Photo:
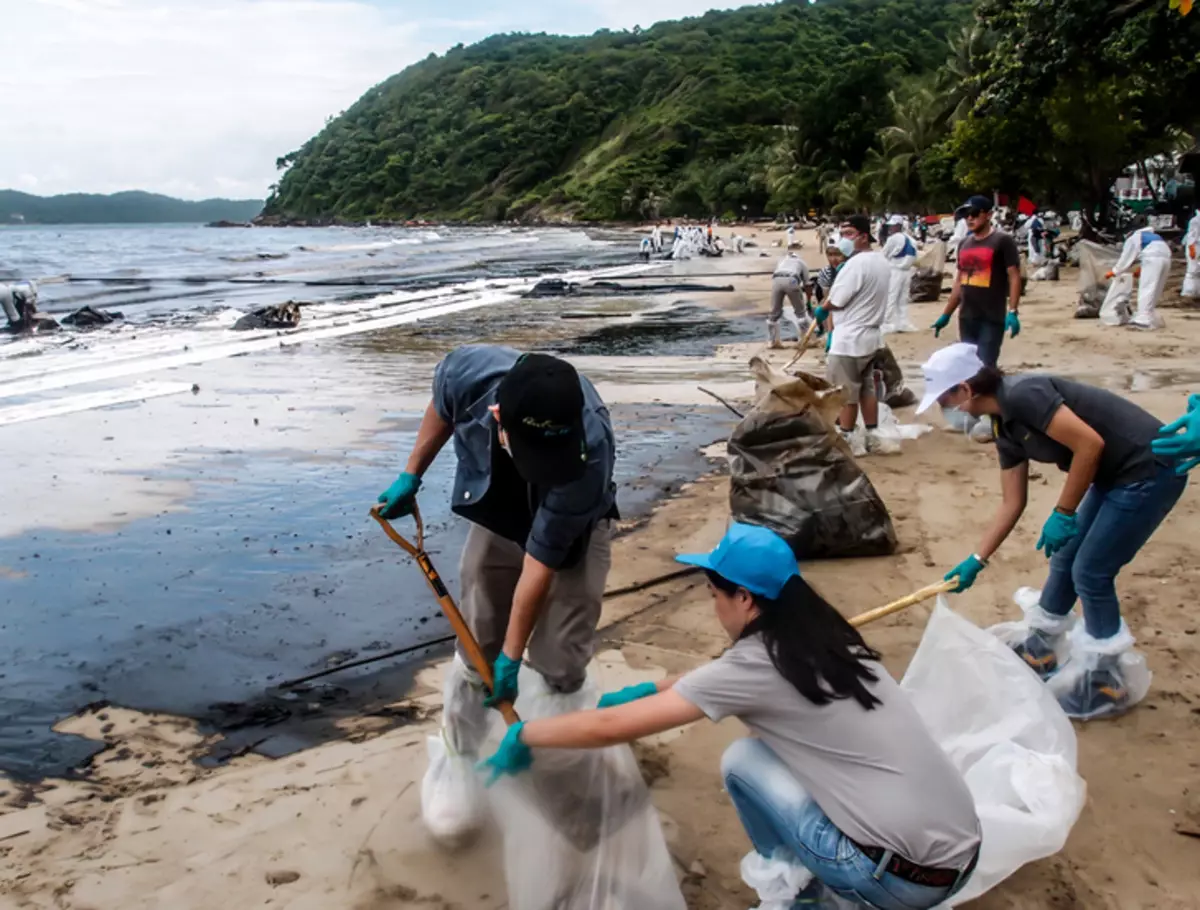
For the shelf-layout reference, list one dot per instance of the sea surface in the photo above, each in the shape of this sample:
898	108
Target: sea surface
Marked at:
184	520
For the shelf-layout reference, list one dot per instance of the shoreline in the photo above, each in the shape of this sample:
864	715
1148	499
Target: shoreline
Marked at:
344	817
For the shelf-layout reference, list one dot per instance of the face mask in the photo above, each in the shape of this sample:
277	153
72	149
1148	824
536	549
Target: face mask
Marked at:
846	247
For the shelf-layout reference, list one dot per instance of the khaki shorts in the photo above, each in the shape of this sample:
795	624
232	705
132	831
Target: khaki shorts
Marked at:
853	374
564	639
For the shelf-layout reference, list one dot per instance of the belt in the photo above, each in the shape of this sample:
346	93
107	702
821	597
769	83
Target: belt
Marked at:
919	875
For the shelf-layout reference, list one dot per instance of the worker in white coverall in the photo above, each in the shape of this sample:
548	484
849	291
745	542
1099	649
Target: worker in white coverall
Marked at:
1155	256
1191	249
1036	241
960	230
900	253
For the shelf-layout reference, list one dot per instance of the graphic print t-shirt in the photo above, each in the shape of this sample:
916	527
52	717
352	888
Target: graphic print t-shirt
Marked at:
984	266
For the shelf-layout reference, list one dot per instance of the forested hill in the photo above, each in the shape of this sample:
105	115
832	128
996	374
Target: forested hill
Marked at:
132	207
702	116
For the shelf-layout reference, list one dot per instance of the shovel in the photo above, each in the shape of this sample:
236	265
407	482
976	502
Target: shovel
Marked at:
803	344
566	789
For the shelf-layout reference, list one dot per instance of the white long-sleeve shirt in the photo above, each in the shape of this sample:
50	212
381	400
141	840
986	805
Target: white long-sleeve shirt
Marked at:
1140	246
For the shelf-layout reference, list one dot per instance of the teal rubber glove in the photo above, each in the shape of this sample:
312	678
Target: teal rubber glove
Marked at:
401	497
940	323
828	340
511	757
1181	439
626	695
1057	532
504	677
821	314
1012	322
965	573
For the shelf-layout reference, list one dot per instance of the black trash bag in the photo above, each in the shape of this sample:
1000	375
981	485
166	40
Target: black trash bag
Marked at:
926	286
793	473
895	393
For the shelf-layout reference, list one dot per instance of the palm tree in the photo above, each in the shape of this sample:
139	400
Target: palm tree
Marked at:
959	78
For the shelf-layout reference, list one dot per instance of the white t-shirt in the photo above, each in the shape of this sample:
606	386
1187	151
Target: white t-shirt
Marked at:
859	299
879	775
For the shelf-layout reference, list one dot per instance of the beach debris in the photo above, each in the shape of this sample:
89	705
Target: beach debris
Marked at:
88	318
280	316
277	877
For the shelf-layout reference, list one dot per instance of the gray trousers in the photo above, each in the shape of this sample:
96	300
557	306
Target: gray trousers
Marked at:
564	638
781	287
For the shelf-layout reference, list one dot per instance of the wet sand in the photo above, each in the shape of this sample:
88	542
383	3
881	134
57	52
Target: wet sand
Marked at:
339	825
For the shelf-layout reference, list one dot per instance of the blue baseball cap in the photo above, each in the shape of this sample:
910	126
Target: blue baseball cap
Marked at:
753	557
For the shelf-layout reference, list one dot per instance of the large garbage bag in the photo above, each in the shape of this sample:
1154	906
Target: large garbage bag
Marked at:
895	394
580	831
1095	261
792	472
1004	730
927	277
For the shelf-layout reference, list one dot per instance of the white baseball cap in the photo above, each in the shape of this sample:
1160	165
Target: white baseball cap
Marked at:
947	368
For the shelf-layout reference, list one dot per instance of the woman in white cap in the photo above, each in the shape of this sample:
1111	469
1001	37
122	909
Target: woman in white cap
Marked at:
1117	493
840	776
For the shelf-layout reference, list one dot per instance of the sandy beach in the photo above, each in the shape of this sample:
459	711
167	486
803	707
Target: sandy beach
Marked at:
143	825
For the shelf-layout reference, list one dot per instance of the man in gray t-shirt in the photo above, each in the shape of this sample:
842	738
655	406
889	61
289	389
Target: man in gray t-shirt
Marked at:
910	799
789	281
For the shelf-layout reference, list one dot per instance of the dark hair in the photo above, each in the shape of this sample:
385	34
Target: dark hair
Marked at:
811	644
986	381
860	223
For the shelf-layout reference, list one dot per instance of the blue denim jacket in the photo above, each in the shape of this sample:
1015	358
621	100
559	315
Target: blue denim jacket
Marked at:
465	385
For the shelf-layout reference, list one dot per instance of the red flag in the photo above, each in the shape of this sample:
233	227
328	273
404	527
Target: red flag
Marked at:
1025	206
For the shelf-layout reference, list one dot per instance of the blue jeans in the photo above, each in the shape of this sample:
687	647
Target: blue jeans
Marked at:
779	816
1114	524
986	336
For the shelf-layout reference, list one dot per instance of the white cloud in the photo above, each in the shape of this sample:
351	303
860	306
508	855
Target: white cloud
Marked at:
199	97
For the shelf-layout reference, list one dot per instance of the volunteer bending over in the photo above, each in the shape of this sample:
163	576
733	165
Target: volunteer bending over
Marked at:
840	775
535	479
1116	494
1152	252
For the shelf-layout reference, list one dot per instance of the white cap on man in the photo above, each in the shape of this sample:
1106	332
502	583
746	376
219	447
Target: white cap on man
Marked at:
951	366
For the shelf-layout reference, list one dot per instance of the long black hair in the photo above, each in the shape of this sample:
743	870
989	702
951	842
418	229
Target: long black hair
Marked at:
811	644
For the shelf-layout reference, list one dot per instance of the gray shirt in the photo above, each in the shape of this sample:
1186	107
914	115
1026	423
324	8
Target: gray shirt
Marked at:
557	520
1028	403
792	267
878	774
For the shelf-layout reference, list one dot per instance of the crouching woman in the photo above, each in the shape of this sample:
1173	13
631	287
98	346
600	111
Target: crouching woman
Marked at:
840	775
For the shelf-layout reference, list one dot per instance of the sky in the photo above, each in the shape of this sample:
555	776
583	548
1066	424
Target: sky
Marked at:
197	98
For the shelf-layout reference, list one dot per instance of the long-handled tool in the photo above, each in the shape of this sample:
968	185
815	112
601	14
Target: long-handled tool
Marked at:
942	587
803	345
581	796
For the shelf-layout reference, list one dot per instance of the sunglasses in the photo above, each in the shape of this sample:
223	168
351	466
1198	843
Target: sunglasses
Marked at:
974	213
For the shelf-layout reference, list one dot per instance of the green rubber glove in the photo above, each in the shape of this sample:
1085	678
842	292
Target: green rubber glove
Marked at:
965	573
1181	439
1057	532
504	675
940	323
626	695
401	497
511	757
1012	322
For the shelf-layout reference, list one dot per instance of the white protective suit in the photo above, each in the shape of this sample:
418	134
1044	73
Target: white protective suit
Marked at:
656	239
959	235
1036	241
1155	256
900	253
1191	249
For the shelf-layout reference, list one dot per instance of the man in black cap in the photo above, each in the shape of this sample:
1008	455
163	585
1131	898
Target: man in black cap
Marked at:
987	284
535	479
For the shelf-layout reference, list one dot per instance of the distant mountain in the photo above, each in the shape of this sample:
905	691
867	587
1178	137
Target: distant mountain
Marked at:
134	207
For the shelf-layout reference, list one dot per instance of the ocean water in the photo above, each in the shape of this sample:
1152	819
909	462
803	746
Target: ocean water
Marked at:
184	519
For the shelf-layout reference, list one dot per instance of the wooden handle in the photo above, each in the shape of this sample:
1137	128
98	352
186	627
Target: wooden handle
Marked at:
803	345
446	602
942	587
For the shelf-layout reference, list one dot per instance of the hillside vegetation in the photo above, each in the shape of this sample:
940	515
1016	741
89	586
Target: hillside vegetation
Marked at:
133	207
842	103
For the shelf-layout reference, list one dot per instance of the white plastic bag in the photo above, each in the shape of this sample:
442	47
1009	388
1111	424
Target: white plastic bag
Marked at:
579	829
890	427
1005	732
776	881
1118	301
450	801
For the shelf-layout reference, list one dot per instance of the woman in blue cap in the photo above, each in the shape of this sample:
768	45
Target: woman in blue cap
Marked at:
840	775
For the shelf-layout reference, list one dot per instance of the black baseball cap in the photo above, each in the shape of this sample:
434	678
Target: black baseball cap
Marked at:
860	223
541	411
980	202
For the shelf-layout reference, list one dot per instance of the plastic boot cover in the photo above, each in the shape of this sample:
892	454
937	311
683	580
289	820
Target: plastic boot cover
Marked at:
1104	677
